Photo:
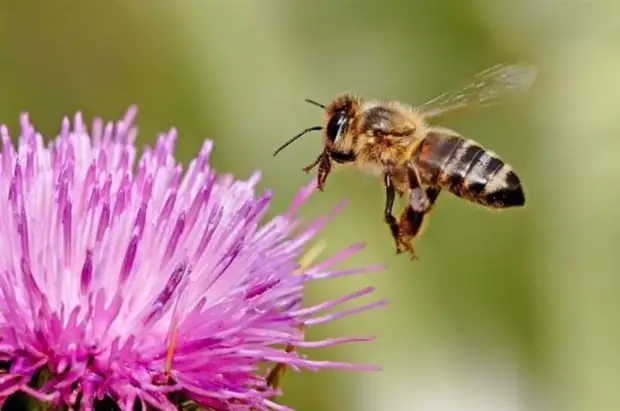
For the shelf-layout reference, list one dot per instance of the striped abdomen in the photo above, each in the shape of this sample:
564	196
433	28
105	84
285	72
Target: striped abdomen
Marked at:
467	170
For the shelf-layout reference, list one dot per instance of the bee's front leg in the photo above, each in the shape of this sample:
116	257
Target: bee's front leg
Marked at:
309	167
325	167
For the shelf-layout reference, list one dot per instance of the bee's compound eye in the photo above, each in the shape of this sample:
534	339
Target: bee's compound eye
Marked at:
337	125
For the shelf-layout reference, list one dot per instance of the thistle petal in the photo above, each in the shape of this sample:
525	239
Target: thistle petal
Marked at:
125	277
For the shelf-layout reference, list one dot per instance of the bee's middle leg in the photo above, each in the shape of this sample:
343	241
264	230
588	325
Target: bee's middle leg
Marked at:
388	216
402	244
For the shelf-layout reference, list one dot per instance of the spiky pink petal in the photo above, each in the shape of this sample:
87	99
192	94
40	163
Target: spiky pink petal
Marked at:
129	278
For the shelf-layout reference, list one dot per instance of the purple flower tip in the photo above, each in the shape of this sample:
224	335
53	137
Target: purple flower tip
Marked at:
133	280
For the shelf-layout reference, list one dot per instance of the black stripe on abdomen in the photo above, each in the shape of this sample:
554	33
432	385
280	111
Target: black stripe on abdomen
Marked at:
460	166
457	167
435	153
493	183
468	170
481	172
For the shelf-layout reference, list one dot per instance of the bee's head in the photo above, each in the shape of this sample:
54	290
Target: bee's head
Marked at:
339	116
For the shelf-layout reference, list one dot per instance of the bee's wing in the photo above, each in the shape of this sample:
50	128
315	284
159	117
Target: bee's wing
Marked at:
485	88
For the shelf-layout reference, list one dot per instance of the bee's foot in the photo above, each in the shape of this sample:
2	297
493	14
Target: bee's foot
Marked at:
405	245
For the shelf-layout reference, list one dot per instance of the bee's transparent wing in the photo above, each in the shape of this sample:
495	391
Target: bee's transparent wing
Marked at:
486	88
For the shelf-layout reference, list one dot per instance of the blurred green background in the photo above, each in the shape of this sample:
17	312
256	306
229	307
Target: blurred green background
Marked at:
514	310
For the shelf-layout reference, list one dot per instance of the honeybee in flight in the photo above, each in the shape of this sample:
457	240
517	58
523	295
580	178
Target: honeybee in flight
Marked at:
417	160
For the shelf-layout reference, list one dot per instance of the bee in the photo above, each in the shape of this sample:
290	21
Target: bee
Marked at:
417	160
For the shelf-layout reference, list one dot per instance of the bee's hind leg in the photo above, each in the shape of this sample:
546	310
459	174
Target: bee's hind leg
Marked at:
432	193
415	215
411	223
409	227
412	219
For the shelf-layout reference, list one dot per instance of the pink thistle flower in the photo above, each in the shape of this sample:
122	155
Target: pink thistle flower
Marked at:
149	285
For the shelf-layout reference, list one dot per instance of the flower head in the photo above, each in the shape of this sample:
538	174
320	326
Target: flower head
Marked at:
142	283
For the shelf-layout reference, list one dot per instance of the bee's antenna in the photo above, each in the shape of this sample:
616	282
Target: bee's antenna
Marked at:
309	129
315	103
